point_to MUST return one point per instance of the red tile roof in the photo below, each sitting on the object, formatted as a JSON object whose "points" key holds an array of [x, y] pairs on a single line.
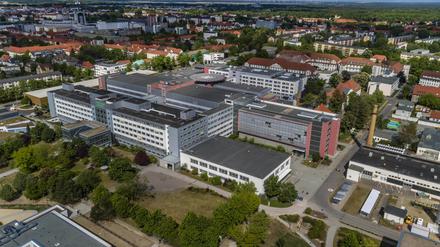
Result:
{"points": [[285, 64], [315, 55], [428, 73], [66, 47], [380, 58], [350, 84], [357, 61], [435, 114], [87, 65], [422, 90], [323, 108]]}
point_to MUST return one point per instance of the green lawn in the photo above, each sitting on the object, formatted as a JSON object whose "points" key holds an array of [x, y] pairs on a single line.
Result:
{"points": [[356, 200], [177, 204]]}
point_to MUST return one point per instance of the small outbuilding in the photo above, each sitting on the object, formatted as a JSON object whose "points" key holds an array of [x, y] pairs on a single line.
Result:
{"points": [[395, 214]]}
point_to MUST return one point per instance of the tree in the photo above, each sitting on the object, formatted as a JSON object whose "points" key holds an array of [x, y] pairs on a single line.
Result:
{"points": [[99, 156], [133, 190], [314, 86], [256, 231], [121, 205], [64, 189], [362, 78], [272, 186], [48, 135], [103, 210], [120, 169], [193, 232], [288, 192], [429, 100], [7, 193], [183, 59], [19, 182], [23, 159], [336, 101], [335, 79], [408, 133], [367, 69], [345, 75], [87, 180], [141, 158], [349, 240], [100, 194], [34, 189]]}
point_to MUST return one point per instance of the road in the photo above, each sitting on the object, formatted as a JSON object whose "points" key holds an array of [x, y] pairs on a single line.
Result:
{"points": [[320, 200]]}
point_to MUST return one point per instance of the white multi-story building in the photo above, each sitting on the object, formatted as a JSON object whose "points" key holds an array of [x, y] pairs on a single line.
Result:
{"points": [[419, 53], [281, 83], [159, 129], [387, 85], [430, 79], [109, 68], [406, 172], [235, 160]]}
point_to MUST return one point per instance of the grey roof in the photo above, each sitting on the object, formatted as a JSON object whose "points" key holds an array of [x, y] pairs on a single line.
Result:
{"points": [[430, 139], [385, 133], [390, 209], [30, 77], [296, 114], [383, 79], [243, 88], [405, 105], [50, 229], [239, 156], [202, 92], [402, 164], [269, 73], [153, 116]]}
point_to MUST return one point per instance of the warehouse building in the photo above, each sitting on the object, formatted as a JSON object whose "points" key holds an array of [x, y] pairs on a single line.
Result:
{"points": [[414, 174], [235, 160], [302, 130]]}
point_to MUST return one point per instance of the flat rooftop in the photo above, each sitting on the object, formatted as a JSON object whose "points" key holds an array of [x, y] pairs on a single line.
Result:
{"points": [[402, 164], [239, 156], [287, 112], [385, 80], [30, 77], [203, 92], [156, 114], [42, 93], [268, 73], [49, 228], [143, 79], [430, 139]]}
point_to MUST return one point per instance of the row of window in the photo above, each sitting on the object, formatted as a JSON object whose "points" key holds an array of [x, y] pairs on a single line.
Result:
{"points": [[221, 170]]}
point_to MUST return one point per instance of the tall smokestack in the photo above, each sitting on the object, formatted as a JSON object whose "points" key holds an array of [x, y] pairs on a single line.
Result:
{"points": [[372, 127]]}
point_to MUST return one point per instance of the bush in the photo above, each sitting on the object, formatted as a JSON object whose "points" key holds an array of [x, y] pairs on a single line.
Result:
{"points": [[141, 158], [308, 211], [7, 193], [120, 169], [194, 171], [204, 176], [216, 180]]}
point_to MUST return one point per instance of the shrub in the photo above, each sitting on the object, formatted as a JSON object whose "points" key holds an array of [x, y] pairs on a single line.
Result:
{"points": [[204, 176], [216, 180], [7, 193], [308, 211]]}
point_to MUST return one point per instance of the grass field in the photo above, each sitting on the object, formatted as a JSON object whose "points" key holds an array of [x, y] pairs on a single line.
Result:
{"points": [[177, 204], [366, 240], [280, 235], [357, 198]]}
